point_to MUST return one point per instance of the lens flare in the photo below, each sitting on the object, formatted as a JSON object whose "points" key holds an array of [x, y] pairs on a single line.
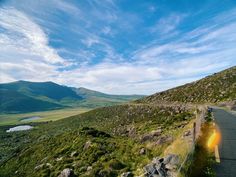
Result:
{"points": [[213, 140]]}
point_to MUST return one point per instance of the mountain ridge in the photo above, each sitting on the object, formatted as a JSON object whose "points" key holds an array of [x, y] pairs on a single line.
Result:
{"points": [[53, 96]]}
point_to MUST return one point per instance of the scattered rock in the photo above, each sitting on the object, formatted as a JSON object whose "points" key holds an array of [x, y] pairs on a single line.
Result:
{"points": [[74, 153], [131, 131], [89, 168], [127, 174], [162, 167], [156, 132], [150, 169], [187, 133], [49, 165], [59, 159], [152, 135], [87, 145], [39, 167], [171, 161], [142, 151], [164, 139], [66, 173], [146, 138], [44, 159]]}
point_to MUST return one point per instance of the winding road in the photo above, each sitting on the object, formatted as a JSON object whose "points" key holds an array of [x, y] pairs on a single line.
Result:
{"points": [[227, 147]]}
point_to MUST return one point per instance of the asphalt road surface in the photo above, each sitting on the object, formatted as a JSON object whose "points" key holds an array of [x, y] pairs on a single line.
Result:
{"points": [[227, 146]]}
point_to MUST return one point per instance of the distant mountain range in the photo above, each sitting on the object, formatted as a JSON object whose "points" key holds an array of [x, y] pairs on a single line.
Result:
{"points": [[24, 96]]}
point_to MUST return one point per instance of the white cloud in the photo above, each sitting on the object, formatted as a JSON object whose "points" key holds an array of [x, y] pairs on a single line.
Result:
{"points": [[26, 55], [91, 40], [167, 24], [23, 36], [66, 7], [107, 30]]}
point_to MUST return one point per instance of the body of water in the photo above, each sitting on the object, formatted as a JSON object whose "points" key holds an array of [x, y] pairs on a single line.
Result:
{"points": [[19, 128], [27, 119]]}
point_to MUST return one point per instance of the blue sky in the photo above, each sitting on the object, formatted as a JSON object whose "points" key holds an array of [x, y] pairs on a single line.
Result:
{"points": [[116, 46]]}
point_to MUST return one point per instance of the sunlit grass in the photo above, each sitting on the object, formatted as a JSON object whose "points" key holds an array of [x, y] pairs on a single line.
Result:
{"points": [[9, 119]]}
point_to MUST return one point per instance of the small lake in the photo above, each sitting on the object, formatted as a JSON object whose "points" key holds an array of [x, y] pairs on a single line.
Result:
{"points": [[19, 128], [27, 119]]}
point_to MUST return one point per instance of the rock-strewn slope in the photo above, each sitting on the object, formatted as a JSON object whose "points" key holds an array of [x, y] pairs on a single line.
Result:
{"points": [[218, 87], [110, 141]]}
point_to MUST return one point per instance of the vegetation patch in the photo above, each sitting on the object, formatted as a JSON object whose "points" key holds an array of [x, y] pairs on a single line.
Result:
{"points": [[102, 142], [203, 158]]}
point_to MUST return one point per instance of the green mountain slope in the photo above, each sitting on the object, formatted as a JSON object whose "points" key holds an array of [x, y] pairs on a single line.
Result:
{"points": [[218, 87], [97, 99], [41, 96], [48, 90], [17, 102]]}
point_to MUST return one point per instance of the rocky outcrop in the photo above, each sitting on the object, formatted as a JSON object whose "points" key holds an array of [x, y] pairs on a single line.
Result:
{"points": [[162, 167], [128, 130]]}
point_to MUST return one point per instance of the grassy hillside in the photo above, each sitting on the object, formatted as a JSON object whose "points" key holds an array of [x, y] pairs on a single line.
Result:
{"points": [[94, 99], [103, 142], [16, 102], [48, 90], [218, 87], [23, 96]]}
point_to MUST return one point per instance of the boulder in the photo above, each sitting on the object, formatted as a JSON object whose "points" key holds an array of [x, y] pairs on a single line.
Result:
{"points": [[147, 137], [162, 167], [142, 151], [164, 139], [150, 169], [171, 159], [151, 135], [67, 172], [89, 168]]}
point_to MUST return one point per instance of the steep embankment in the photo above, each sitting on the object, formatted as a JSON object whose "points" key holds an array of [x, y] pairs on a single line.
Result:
{"points": [[219, 87]]}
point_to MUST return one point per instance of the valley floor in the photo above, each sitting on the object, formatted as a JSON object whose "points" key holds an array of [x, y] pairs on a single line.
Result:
{"points": [[53, 115]]}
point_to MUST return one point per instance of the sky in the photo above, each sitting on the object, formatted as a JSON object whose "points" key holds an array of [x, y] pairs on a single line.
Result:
{"points": [[116, 46]]}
